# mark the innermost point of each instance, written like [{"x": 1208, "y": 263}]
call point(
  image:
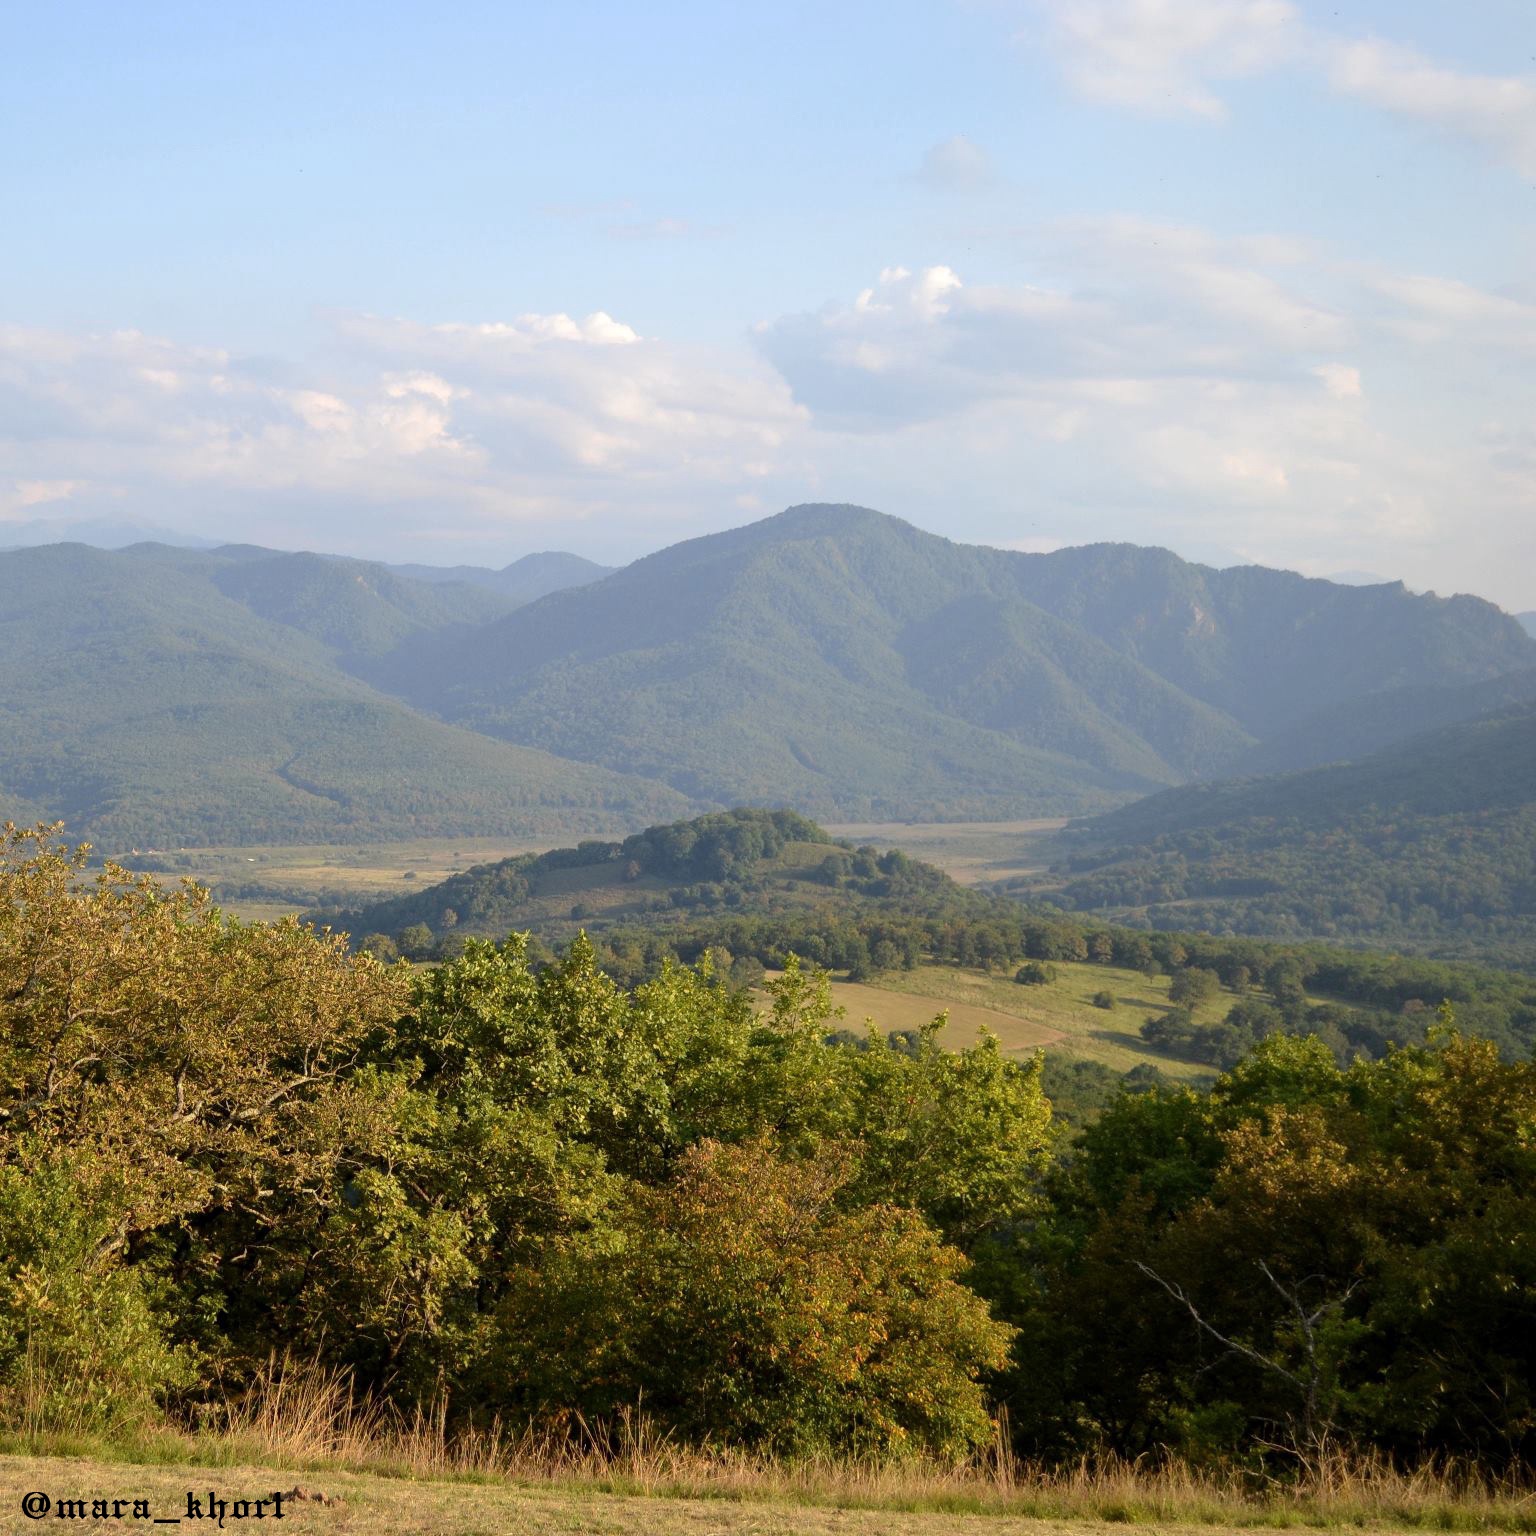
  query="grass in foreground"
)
[
  {"x": 680, "y": 1495},
  {"x": 302, "y": 1428}
]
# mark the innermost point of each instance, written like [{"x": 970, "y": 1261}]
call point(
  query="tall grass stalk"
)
[{"x": 312, "y": 1418}]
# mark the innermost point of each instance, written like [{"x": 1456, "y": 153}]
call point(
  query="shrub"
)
[
  {"x": 774, "y": 1317},
  {"x": 81, "y": 1342}
]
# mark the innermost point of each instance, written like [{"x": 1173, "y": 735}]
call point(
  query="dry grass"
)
[
  {"x": 972, "y": 852},
  {"x": 308, "y": 1426},
  {"x": 1061, "y": 1016}
]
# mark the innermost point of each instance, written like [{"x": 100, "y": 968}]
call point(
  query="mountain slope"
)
[
  {"x": 525, "y": 580},
  {"x": 848, "y": 663},
  {"x": 353, "y": 607},
  {"x": 143, "y": 705},
  {"x": 1270, "y": 648},
  {"x": 1429, "y": 844},
  {"x": 1529, "y": 621},
  {"x": 1359, "y": 727}
]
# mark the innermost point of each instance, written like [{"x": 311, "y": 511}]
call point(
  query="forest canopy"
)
[{"x": 528, "y": 1191}]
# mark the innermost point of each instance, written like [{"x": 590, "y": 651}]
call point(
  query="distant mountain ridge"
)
[
  {"x": 524, "y": 581},
  {"x": 98, "y": 532},
  {"x": 158, "y": 696},
  {"x": 847, "y": 663},
  {"x": 830, "y": 658},
  {"x": 1529, "y": 621}
]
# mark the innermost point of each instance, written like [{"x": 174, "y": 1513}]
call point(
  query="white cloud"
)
[
  {"x": 1163, "y": 56},
  {"x": 1496, "y": 111},
  {"x": 1171, "y": 58},
  {"x": 484, "y": 422},
  {"x": 1430, "y": 309},
  {"x": 25, "y": 494},
  {"x": 1340, "y": 380},
  {"x": 956, "y": 164},
  {"x": 665, "y": 229},
  {"x": 1155, "y": 304}
]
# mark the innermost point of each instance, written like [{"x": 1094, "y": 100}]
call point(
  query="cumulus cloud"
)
[
  {"x": 494, "y": 421},
  {"x": 1170, "y": 303}
]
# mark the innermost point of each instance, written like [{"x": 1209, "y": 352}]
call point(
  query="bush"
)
[
  {"x": 81, "y": 1343},
  {"x": 1035, "y": 973},
  {"x": 1104, "y": 998},
  {"x": 774, "y": 1315}
]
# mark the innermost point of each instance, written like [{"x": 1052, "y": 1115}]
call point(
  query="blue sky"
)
[{"x": 1251, "y": 278}]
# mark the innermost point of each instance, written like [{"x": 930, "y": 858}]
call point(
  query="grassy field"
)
[
  {"x": 1061, "y": 1016},
  {"x": 392, "y": 1506},
  {"x": 685, "y": 1495},
  {"x": 972, "y": 852},
  {"x": 363, "y": 872}
]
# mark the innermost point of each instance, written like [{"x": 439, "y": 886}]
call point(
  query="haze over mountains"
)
[
  {"x": 161, "y": 696},
  {"x": 1428, "y": 844},
  {"x": 830, "y": 658},
  {"x": 849, "y": 664}
]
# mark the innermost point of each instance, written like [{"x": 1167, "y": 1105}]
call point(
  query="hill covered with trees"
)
[
  {"x": 752, "y": 889},
  {"x": 1429, "y": 844},
  {"x": 744, "y": 861}
]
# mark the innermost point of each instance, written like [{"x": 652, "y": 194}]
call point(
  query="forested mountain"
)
[
  {"x": 829, "y": 658},
  {"x": 144, "y": 704},
  {"x": 1428, "y": 844},
  {"x": 1529, "y": 620},
  {"x": 847, "y": 663}
]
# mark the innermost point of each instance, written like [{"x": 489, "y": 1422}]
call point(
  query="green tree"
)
[{"x": 773, "y": 1314}]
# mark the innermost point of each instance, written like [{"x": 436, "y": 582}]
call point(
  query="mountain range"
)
[
  {"x": 829, "y": 658},
  {"x": 159, "y": 696}
]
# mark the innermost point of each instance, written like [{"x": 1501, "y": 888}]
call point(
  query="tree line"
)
[{"x": 528, "y": 1191}]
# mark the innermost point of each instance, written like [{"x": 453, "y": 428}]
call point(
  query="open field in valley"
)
[
  {"x": 972, "y": 852},
  {"x": 1060, "y": 1017},
  {"x": 315, "y": 871}
]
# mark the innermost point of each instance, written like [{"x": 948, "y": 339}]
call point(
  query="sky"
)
[{"x": 1251, "y": 279}]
